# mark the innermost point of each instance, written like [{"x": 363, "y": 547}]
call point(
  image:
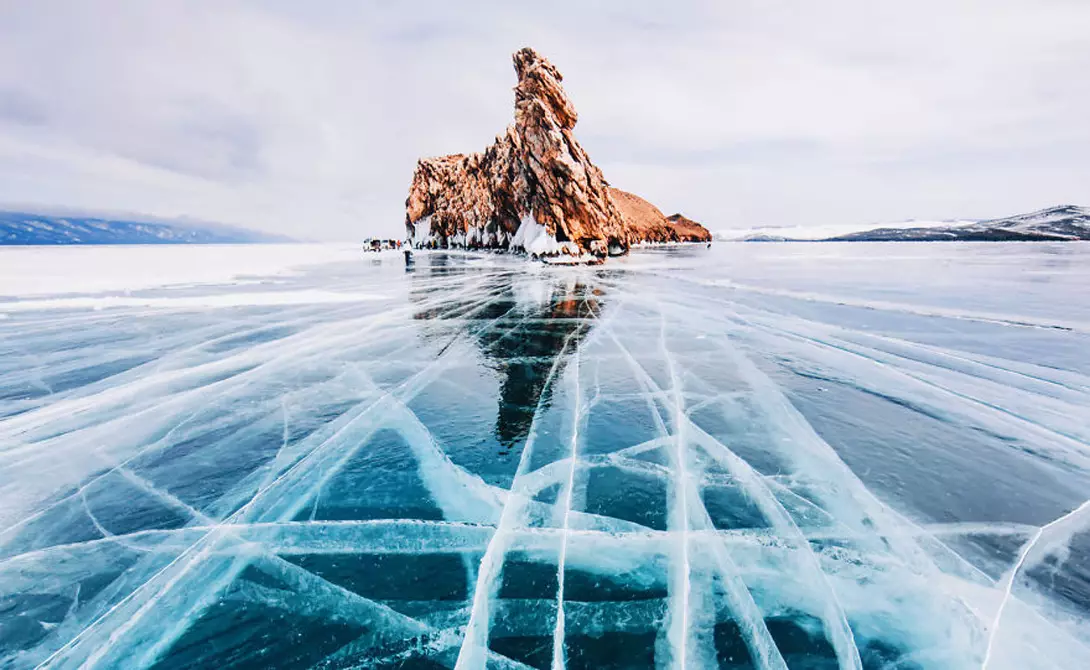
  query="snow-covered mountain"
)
[
  {"x": 24, "y": 228},
  {"x": 817, "y": 233},
  {"x": 1061, "y": 223},
  {"x": 1069, "y": 221}
]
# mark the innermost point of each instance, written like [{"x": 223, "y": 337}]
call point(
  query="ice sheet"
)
[
  {"x": 26, "y": 271},
  {"x": 749, "y": 456}
]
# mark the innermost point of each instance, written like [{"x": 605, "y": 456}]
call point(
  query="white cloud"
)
[{"x": 307, "y": 118}]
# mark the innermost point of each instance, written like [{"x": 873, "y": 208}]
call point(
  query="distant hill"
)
[
  {"x": 819, "y": 233},
  {"x": 1058, "y": 224},
  {"x": 26, "y": 228}
]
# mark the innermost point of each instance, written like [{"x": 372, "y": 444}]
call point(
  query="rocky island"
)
[{"x": 535, "y": 190}]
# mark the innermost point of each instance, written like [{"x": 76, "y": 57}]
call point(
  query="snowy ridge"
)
[
  {"x": 22, "y": 228},
  {"x": 816, "y": 233},
  {"x": 1064, "y": 222}
]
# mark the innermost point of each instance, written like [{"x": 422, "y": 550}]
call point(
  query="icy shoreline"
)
[{"x": 530, "y": 240}]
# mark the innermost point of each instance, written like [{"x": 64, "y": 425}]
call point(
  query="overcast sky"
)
[{"x": 306, "y": 118}]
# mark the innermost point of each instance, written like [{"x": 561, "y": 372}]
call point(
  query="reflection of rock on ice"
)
[
  {"x": 540, "y": 286},
  {"x": 532, "y": 291},
  {"x": 522, "y": 349}
]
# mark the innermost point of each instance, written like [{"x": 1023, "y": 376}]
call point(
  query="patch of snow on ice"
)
[
  {"x": 189, "y": 302},
  {"x": 34, "y": 271}
]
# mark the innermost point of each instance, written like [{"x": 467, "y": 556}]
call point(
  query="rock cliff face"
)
[
  {"x": 688, "y": 230},
  {"x": 646, "y": 223},
  {"x": 534, "y": 190}
]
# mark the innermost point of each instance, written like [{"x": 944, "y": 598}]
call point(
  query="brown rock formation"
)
[
  {"x": 688, "y": 230},
  {"x": 535, "y": 177},
  {"x": 646, "y": 223}
]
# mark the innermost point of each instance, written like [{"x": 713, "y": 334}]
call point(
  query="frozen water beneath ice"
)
[{"x": 773, "y": 456}]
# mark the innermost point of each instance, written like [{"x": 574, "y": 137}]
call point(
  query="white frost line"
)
[
  {"x": 164, "y": 574},
  {"x": 242, "y": 366},
  {"x": 833, "y": 615},
  {"x": 896, "y": 528},
  {"x": 858, "y": 501},
  {"x": 192, "y": 302},
  {"x": 1012, "y": 420},
  {"x": 559, "y": 660},
  {"x": 343, "y": 536},
  {"x": 92, "y": 625},
  {"x": 679, "y": 617},
  {"x": 905, "y": 308},
  {"x": 965, "y": 362},
  {"x": 1071, "y": 518},
  {"x": 473, "y": 652},
  {"x": 758, "y": 639}
]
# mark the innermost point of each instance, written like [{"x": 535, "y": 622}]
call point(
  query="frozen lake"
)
[{"x": 756, "y": 455}]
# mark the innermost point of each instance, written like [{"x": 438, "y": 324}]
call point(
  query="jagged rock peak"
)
[
  {"x": 539, "y": 82},
  {"x": 534, "y": 190}
]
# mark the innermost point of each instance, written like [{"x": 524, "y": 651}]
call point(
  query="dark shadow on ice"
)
[{"x": 522, "y": 322}]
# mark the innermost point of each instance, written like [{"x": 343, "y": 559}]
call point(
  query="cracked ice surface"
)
[{"x": 772, "y": 456}]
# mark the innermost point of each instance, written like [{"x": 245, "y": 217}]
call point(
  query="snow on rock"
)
[
  {"x": 534, "y": 239},
  {"x": 420, "y": 231}
]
